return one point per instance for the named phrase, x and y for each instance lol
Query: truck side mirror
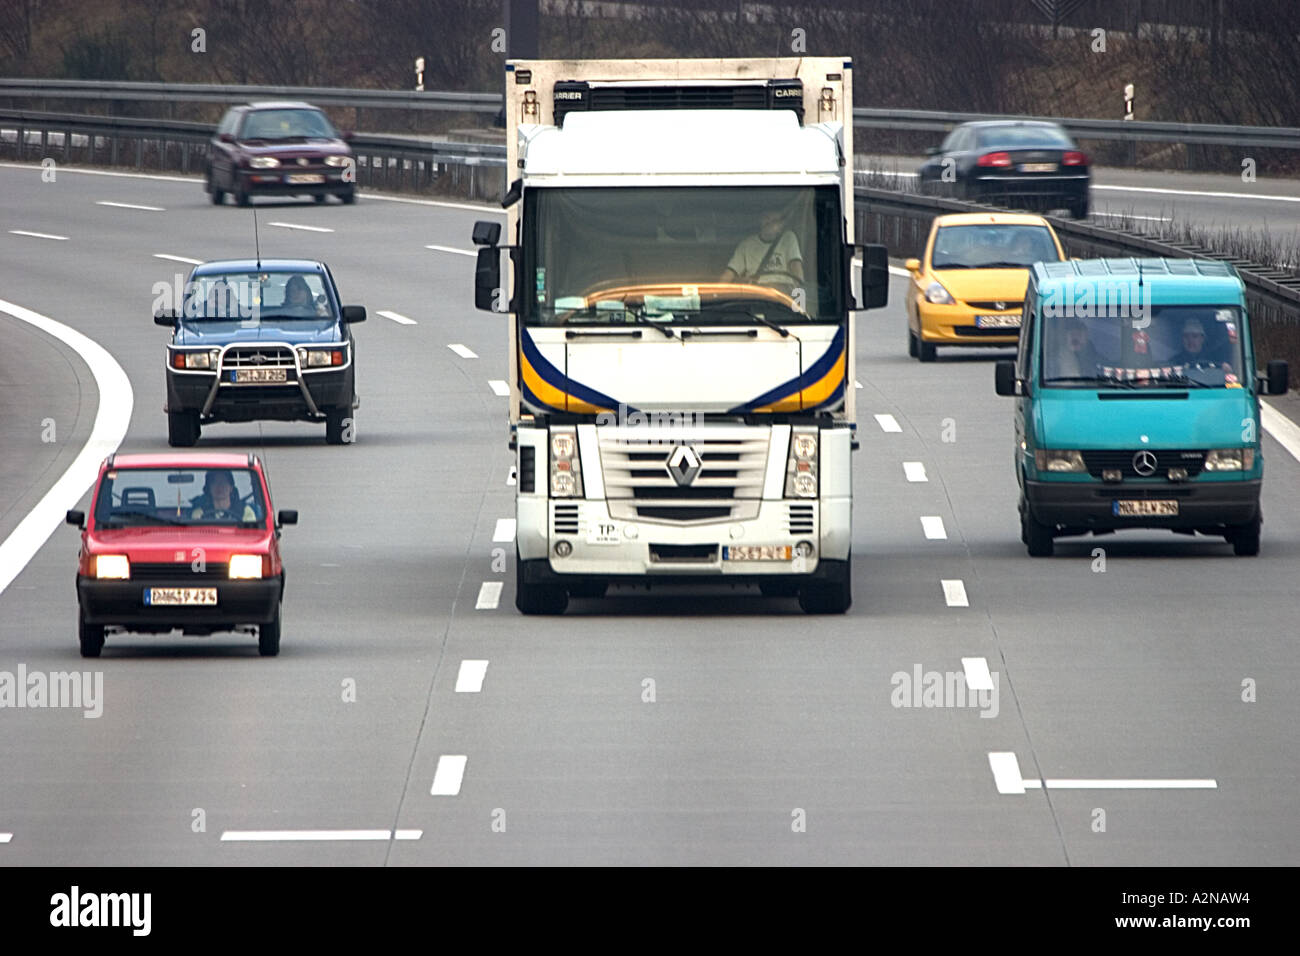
(487, 278)
(486, 233)
(1278, 377)
(1004, 378)
(875, 276)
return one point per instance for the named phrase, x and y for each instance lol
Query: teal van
(1137, 401)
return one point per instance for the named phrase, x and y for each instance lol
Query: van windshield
(1183, 346)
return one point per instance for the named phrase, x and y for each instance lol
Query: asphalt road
(684, 727)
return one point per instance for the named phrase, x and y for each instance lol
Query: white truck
(681, 350)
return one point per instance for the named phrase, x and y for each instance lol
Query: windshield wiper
(639, 317)
(141, 514)
(280, 317)
(1001, 265)
(749, 309)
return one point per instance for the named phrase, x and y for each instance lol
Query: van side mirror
(1278, 377)
(1004, 378)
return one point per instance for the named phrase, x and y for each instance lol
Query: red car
(180, 542)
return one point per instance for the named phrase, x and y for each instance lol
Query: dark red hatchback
(279, 149)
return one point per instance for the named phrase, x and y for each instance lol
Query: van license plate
(997, 321)
(154, 597)
(1146, 508)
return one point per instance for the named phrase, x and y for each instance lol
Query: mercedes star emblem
(1144, 463)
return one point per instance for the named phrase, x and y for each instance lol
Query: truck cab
(1137, 402)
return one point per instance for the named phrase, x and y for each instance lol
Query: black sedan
(279, 149)
(1019, 164)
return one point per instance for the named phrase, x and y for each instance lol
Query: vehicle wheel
(924, 350)
(338, 426)
(348, 197)
(91, 637)
(319, 197)
(1244, 538)
(912, 350)
(1079, 210)
(241, 196)
(779, 587)
(533, 598)
(217, 195)
(1036, 535)
(590, 588)
(268, 636)
(831, 595)
(183, 429)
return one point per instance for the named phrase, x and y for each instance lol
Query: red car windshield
(132, 497)
(287, 124)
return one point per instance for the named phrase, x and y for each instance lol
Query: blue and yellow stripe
(821, 384)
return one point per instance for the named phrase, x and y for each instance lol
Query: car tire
(1037, 537)
(217, 195)
(925, 351)
(337, 421)
(533, 598)
(1244, 538)
(319, 197)
(912, 350)
(832, 594)
(183, 429)
(241, 197)
(91, 637)
(1079, 209)
(779, 588)
(268, 635)
(349, 197)
(590, 588)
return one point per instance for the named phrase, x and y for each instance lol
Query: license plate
(1144, 508)
(997, 321)
(302, 179)
(246, 376)
(756, 552)
(603, 533)
(155, 597)
(1038, 167)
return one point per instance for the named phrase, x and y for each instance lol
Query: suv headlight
(206, 359)
(263, 162)
(112, 566)
(566, 466)
(1058, 459)
(1230, 459)
(319, 358)
(245, 566)
(938, 295)
(337, 160)
(801, 464)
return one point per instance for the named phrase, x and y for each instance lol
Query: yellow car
(970, 286)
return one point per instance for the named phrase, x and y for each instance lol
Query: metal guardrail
(1257, 137)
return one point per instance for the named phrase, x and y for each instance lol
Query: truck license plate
(155, 597)
(1143, 508)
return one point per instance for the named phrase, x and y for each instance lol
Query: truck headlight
(801, 464)
(263, 162)
(1230, 459)
(566, 466)
(938, 295)
(245, 566)
(112, 566)
(1058, 459)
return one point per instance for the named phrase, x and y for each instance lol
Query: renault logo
(683, 465)
(1144, 463)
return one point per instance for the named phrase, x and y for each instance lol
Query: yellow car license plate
(997, 321)
(155, 597)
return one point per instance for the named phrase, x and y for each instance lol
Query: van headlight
(566, 466)
(801, 464)
(1058, 459)
(1230, 459)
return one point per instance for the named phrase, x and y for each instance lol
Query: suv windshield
(1195, 346)
(256, 296)
(132, 497)
(698, 255)
(287, 124)
(992, 246)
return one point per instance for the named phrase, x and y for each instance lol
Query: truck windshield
(697, 255)
(1196, 346)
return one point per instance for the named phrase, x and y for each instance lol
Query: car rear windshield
(992, 246)
(287, 124)
(134, 497)
(252, 296)
(1023, 137)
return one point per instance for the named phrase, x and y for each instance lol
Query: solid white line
(489, 596)
(459, 252)
(305, 836)
(1285, 431)
(290, 225)
(1169, 784)
(129, 205)
(932, 525)
(111, 420)
(888, 423)
(1197, 192)
(171, 258)
(977, 673)
(396, 317)
(469, 680)
(6, 837)
(954, 593)
(498, 387)
(462, 350)
(38, 235)
(105, 172)
(1006, 772)
(447, 777)
(505, 530)
(915, 470)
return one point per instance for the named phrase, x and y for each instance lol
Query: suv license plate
(1146, 508)
(997, 321)
(246, 376)
(154, 597)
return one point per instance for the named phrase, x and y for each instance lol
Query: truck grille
(801, 520)
(566, 519)
(729, 484)
(1098, 461)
